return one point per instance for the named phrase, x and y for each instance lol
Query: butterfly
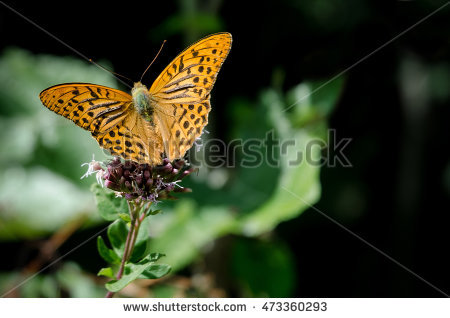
(149, 124)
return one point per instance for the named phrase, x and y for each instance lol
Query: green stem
(129, 242)
(133, 237)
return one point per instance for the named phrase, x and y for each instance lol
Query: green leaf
(131, 273)
(298, 185)
(107, 272)
(117, 234)
(125, 217)
(298, 188)
(155, 271)
(156, 256)
(312, 106)
(106, 253)
(109, 206)
(151, 212)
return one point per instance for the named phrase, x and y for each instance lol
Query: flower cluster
(133, 180)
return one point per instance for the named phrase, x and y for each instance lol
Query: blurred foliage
(231, 235)
(45, 153)
(277, 276)
(41, 167)
(67, 281)
(194, 19)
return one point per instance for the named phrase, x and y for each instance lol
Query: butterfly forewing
(190, 76)
(93, 107)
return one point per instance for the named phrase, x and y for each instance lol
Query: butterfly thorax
(142, 101)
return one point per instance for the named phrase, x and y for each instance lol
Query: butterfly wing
(182, 92)
(110, 116)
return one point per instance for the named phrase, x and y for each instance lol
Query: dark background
(396, 195)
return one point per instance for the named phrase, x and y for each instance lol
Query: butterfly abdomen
(142, 101)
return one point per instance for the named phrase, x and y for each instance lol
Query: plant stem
(129, 242)
(133, 237)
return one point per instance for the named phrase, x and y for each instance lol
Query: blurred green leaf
(263, 269)
(40, 286)
(108, 205)
(106, 253)
(117, 235)
(164, 291)
(187, 229)
(310, 103)
(76, 283)
(298, 185)
(152, 212)
(125, 217)
(35, 201)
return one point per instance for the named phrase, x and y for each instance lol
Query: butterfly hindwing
(181, 128)
(134, 139)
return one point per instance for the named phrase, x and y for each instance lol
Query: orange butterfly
(167, 118)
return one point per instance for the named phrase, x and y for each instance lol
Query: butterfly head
(142, 100)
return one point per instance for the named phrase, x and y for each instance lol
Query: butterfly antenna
(153, 60)
(104, 68)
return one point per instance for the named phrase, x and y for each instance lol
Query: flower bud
(178, 164)
(111, 185)
(142, 181)
(119, 172)
(186, 173)
(167, 168)
(96, 166)
(139, 180)
(169, 187)
(182, 190)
